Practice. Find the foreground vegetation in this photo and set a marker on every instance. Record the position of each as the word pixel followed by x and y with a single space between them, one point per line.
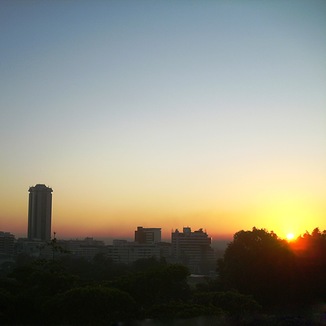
pixel 262 280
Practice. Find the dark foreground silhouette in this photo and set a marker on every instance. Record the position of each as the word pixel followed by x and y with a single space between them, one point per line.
pixel 262 280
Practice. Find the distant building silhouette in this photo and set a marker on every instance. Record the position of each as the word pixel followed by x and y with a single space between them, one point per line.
pixel 39 213
pixel 193 249
pixel 7 241
pixel 31 248
pixel 123 251
pixel 87 248
pixel 147 245
pixel 147 235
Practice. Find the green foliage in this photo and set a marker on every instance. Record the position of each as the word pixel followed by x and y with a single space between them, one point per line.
pixel 233 303
pixel 91 305
pixel 257 262
pixel 101 268
pixel 72 290
pixel 310 251
pixel 157 285
pixel 30 285
pixel 146 264
pixel 174 310
pixel 274 271
pixel 6 307
pixel 44 278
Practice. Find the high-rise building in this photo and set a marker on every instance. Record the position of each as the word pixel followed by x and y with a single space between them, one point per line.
pixel 39 213
pixel 147 235
pixel 193 249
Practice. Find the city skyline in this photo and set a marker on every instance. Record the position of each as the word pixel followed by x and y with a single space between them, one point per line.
pixel 39 226
pixel 207 114
pixel 39 221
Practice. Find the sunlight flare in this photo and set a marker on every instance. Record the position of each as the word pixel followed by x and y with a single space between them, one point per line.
pixel 290 236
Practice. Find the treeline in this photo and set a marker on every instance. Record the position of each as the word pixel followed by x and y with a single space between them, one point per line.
pixel 274 271
pixel 70 291
pixel 261 279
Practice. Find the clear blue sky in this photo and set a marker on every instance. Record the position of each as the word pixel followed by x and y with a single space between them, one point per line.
pixel 164 114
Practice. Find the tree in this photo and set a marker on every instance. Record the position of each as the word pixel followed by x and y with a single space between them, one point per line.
pixel 232 303
pixel 257 262
pixel 310 251
pixel 158 285
pixel 6 307
pixel 91 305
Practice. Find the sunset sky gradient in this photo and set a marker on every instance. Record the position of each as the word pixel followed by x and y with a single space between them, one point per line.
pixel 208 114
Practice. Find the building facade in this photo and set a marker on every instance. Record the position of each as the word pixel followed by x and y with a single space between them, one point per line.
pixel 147 235
pixel 193 249
pixel 7 242
pixel 39 213
pixel 126 252
pixel 87 248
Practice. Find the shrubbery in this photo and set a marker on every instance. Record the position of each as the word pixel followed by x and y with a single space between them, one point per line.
pixel 259 272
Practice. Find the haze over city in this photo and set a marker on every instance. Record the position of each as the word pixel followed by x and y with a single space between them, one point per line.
pixel 164 114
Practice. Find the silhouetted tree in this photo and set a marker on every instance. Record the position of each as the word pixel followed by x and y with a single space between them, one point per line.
pixel 146 264
pixel 91 305
pixel 233 303
pixel 310 251
pixel 6 307
pixel 159 285
pixel 257 262
pixel 174 310
pixel 70 290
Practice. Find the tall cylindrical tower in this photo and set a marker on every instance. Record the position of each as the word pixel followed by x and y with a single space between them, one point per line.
pixel 39 213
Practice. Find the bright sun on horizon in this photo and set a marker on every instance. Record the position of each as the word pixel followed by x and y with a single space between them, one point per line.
pixel 290 236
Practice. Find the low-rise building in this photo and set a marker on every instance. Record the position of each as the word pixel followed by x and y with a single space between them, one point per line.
pixel 33 248
pixel 147 235
pixel 126 252
pixel 86 248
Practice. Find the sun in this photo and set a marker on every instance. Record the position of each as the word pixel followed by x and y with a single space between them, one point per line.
pixel 290 236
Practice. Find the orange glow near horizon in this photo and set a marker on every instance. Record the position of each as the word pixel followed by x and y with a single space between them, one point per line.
pixel 77 213
pixel 290 236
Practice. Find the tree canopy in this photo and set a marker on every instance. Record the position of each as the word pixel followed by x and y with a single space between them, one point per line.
pixel 257 262
pixel 258 271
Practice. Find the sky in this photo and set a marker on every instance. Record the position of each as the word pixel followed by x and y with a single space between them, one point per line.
pixel 207 114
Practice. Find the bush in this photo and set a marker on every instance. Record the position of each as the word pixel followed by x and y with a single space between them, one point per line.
pixel 91 305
